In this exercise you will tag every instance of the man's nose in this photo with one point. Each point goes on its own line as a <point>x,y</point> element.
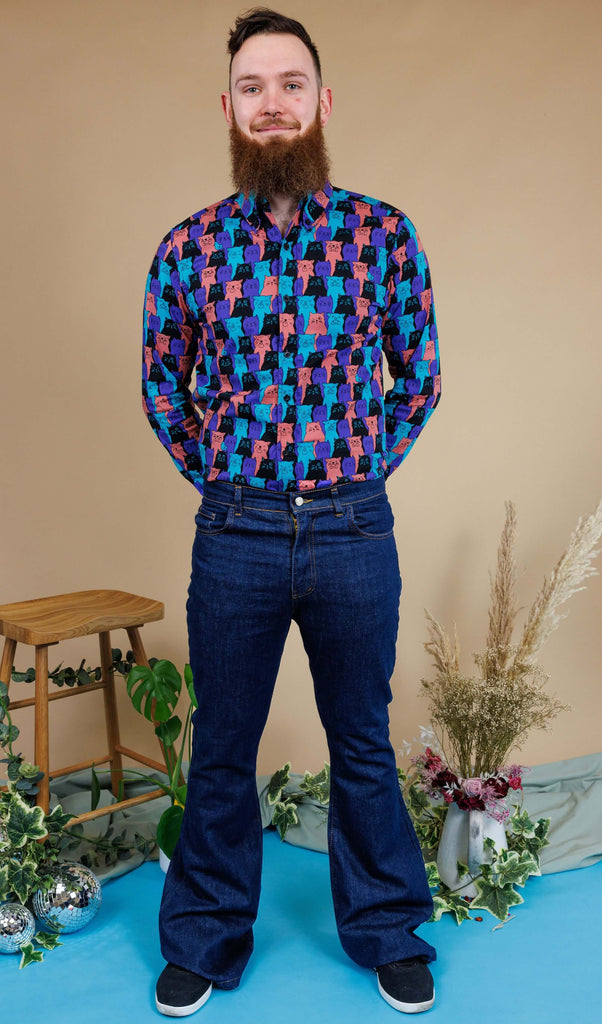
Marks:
<point>272,106</point>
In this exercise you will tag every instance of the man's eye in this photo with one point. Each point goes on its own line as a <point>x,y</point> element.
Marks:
<point>293,85</point>
<point>251,88</point>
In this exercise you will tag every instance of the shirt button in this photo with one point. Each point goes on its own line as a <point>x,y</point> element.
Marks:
<point>298,501</point>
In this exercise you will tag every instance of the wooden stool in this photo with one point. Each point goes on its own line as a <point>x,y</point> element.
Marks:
<point>49,620</point>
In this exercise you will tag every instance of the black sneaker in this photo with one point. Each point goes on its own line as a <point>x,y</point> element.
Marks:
<point>407,985</point>
<point>180,992</point>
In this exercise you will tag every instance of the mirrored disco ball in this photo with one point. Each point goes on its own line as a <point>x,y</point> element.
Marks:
<point>17,926</point>
<point>72,901</point>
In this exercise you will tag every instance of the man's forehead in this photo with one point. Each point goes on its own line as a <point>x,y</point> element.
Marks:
<point>275,53</point>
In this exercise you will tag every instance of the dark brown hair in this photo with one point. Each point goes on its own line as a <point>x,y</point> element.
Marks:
<point>263,20</point>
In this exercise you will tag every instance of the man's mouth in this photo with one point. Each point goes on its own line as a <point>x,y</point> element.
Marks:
<point>264,129</point>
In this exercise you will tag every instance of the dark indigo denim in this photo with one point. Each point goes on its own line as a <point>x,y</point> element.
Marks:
<point>330,563</point>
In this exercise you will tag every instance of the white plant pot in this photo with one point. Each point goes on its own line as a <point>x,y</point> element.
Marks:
<point>164,861</point>
<point>462,839</point>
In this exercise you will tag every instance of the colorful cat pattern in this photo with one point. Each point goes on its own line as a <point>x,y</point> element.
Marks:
<point>287,337</point>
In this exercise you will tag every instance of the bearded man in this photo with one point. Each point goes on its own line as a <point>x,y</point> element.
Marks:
<point>284,298</point>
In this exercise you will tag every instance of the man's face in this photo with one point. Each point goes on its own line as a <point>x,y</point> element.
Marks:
<point>274,90</point>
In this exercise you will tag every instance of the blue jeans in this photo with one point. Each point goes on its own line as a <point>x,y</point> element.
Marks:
<point>327,559</point>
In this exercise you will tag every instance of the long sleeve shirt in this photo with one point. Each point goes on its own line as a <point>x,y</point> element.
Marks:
<point>287,338</point>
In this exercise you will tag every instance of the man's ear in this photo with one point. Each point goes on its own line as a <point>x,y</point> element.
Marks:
<point>227,107</point>
<point>325,104</point>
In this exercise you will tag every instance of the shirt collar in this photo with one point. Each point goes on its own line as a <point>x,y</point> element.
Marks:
<point>312,207</point>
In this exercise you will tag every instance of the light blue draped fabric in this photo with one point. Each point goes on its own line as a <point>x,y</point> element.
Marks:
<point>567,792</point>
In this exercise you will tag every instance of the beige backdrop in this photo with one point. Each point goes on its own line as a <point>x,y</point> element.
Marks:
<point>480,121</point>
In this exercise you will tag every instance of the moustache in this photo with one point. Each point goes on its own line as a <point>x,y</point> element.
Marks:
<point>274,122</point>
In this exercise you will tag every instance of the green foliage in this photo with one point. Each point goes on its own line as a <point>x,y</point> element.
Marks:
<point>495,882</point>
<point>285,815</point>
<point>168,829</point>
<point>23,823</point>
<point>277,783</point>
<point>317,786</point>
<point>47,939</point>
<point>31,841</point>
<point>154,692</point>
<point>30,955</point>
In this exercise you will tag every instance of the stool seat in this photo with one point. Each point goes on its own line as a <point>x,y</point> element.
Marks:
<point>47,620</point>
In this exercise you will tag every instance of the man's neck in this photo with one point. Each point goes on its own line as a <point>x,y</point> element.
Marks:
<point>283,210</point>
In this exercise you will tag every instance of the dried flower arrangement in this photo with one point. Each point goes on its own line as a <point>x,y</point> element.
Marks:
<point>482,717</point>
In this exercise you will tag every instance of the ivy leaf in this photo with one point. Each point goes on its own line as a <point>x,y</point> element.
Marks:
<point>432,874</point>
<point>439,908</point>
<point>285,815</point>
<point>521,825</point>
<point>318,785</point>
<point>57,820</point>
<point>514,869</point>
<point>49,940</point>
<point>4,887</point>
<point>22,877</point>
<point>458,907</point>
<point>278,782</point>
<point>418,801</point>
<point>30,955</point>
<point>495,898</point>
<point>24,822</point>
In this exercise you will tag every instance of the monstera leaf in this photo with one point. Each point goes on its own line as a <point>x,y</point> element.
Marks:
<point>154,692</point>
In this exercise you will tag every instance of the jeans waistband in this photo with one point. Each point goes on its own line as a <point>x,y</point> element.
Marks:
<point>246,496</point>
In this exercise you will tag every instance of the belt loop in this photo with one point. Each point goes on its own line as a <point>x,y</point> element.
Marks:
<point>237,500</point>
<point>336,501</point>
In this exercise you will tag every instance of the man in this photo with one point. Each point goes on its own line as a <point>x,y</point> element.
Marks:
<point>283,298</point>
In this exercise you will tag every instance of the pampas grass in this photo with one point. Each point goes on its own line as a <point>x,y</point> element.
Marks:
<point>482,717</point>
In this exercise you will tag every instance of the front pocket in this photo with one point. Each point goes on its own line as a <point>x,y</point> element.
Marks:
<point>213,517</point>
<point>372,518</point>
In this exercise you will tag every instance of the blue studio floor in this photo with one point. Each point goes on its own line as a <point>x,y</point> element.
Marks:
<point>542,967</point>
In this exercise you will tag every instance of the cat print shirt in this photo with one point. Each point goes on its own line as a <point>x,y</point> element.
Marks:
<point>286,337</point>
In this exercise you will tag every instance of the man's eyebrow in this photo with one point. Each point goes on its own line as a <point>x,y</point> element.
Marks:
<point>283,74</point>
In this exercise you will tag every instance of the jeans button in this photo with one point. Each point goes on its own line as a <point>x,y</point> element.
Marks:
<point>298,501</point>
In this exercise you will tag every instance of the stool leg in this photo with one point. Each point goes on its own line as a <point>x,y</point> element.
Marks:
<point>111,718</point>
<point>6,665</point>
<point>140,658</point>
<point>41,725</point>
<point>8,660</point>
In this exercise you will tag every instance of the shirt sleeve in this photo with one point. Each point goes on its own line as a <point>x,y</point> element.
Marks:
<point>410,346</point>
<point>169,356</point>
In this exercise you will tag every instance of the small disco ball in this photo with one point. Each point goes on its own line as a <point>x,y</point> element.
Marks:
<point>73,899</point>
<point>17,926</point>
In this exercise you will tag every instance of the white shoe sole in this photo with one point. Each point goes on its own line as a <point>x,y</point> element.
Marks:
<point>406,1007</point>
<point>183,1011</point>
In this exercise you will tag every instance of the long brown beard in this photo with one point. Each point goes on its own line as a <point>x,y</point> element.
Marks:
<point>294,167</point>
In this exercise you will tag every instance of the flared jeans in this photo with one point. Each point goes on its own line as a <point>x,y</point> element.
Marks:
<point>327,559</point>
